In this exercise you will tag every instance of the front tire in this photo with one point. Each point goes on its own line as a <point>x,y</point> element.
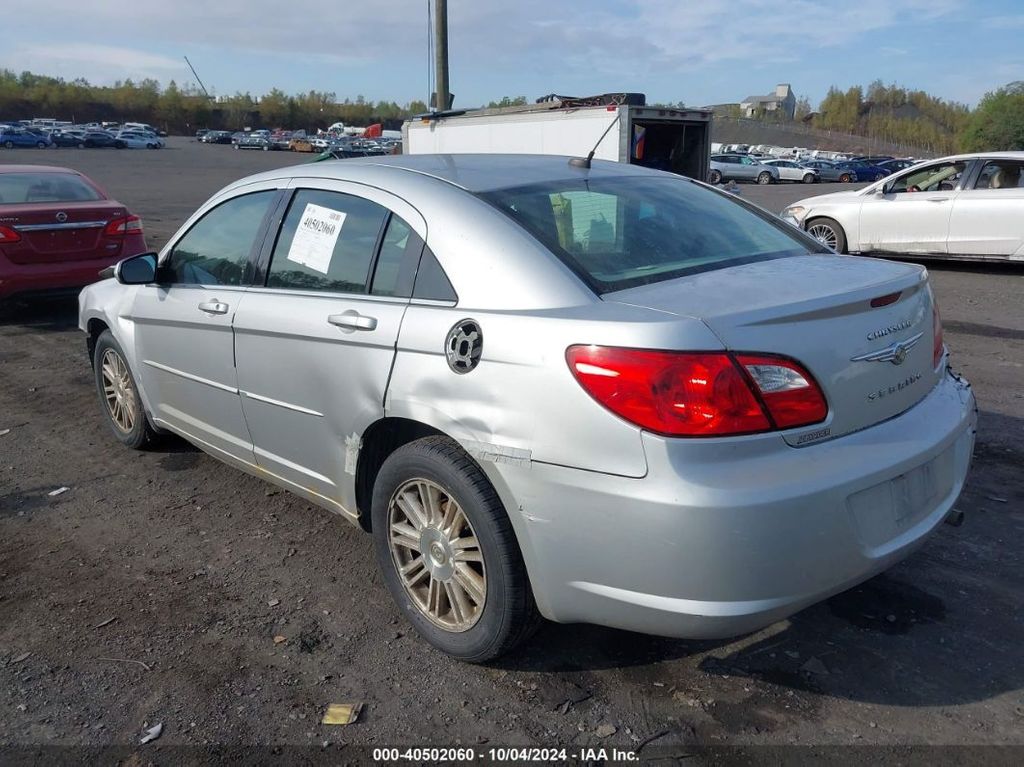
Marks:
<point>119,394</point>
<point>448,554</point>
<point>40,145</point>
<point>809,178</point>
<point>828,232</point>
<point>764,178</point>
<point>715,177</point>
<point>845,178</point>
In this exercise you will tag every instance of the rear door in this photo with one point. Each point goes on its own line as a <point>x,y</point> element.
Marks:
<point>315,344</point>
<point>913,215</point>
<point>183,338</point>
<point>988,218</point>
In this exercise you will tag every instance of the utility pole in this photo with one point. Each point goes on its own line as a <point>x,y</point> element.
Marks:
<point>441,54</point>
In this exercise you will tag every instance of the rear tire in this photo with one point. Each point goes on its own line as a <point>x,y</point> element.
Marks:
<point>40,145</point>
<point>764,178</point>
<point>828,232</point>
<point>809,178</point>
<point>463,584</point>
<point>845,178</point>
<point>715,177</point>
<point>119,395</point>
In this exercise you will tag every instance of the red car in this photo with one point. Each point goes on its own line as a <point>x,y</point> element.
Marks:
<point>58,229</point>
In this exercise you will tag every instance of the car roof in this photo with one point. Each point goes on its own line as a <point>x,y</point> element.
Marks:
<point>37,169</point>
<point>472,172</point>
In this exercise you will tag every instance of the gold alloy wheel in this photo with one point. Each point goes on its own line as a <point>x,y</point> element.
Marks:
<point>118,391</point>
<point>437,555</point>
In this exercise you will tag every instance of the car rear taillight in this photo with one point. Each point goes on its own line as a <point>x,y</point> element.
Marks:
<point>790,394</point>
<point>698,394</point>
<point>8,235</point>
<point>938,347</point>
<point>126,225</point>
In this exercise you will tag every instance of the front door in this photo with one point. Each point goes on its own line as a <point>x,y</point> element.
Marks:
<point>913,214</point>
<point>183,336</point>
<point>315,345</point>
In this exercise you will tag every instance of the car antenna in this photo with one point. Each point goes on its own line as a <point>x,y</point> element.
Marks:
<point>584,162</point>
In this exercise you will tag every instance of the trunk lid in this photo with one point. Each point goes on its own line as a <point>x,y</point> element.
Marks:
<point>818,310</point>
<point>68,231</point>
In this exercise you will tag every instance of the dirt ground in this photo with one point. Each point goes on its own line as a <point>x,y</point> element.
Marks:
<point>152,590</point>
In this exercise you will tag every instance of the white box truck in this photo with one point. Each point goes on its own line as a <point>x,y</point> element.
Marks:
<point>677,140</point>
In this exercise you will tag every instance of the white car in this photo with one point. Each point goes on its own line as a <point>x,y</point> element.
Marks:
<point>790,170</point>
<point>968,206</point>
<point>140,140</point>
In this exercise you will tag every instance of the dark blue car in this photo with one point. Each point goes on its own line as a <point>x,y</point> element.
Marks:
<point>865,171</point>
<point>12,137</point>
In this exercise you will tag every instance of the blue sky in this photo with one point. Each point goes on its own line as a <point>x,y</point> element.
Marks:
<point>696,51</point>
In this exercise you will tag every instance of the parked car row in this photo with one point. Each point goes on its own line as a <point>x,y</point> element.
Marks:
<point>767,170</point>
<point>299,141</point>
<point>127,137</point>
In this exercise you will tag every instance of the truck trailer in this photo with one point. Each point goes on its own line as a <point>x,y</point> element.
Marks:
<point>676,140</point>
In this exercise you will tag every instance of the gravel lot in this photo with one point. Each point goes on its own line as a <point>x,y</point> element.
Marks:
<point>153,589</point>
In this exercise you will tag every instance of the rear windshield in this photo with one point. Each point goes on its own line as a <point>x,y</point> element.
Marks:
<point>617,233</point>
<point>19,188</point>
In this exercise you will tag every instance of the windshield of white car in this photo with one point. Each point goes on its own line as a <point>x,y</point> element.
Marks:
<point>21,188</point>
<point>617,233</point>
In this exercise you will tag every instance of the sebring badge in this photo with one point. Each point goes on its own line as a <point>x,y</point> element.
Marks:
<point>894,353</point>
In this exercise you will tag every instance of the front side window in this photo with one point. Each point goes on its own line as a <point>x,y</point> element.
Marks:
<point>1001,174</point>
<point>216,249</point>
<point>327,242</point>
<point>941,177</point>
<point>616,233</point>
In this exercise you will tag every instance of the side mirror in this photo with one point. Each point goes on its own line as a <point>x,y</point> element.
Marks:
<point>882,190</point>
<point>137,270</point>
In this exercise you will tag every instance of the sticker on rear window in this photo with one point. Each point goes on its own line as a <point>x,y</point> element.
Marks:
<point>315,238</point>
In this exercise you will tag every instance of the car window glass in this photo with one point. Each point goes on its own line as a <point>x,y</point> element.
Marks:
<point>217,247</point>
<point>431,281</point>
<point>18,188</point>
<point>327,242</point>
<point>940,177</point>
<point>398,248</point>
<point>1001,174</point>
<point>621,232</point>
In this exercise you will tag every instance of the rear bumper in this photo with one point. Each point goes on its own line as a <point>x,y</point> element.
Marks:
<point>725,537</point>
<point>58,277</point>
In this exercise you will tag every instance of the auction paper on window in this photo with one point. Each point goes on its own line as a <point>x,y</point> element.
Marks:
<point>315,237</point>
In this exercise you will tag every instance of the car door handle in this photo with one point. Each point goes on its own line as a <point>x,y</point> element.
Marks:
<point>214,307</point>
<point>353,320</point>
<point>938,199</point>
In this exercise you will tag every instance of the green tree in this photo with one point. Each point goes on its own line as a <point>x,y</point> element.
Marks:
<point>998,122</point>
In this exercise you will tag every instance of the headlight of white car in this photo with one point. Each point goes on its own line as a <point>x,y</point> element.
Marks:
<point>795,214</point>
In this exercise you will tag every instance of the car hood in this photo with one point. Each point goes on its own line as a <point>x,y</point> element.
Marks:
<point>846,196</point>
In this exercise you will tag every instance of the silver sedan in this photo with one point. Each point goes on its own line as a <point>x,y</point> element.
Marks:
<point>593,393</point>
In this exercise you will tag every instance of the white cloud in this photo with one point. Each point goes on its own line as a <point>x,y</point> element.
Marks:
<point>103,63</point>
<point>623,39</point>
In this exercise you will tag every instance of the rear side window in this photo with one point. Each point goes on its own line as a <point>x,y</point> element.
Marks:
<point>18,188</point>
<point>619,232</point>
<point>399,250</point>
<point>327,242</point>
<point>1001,174</point>
<point>216,250</point>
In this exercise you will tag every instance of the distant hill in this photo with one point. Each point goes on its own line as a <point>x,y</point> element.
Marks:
<point>894,114</point>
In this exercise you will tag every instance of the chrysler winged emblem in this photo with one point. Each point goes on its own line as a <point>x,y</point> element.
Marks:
<point>62,217</point>
<point>894,353</point>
